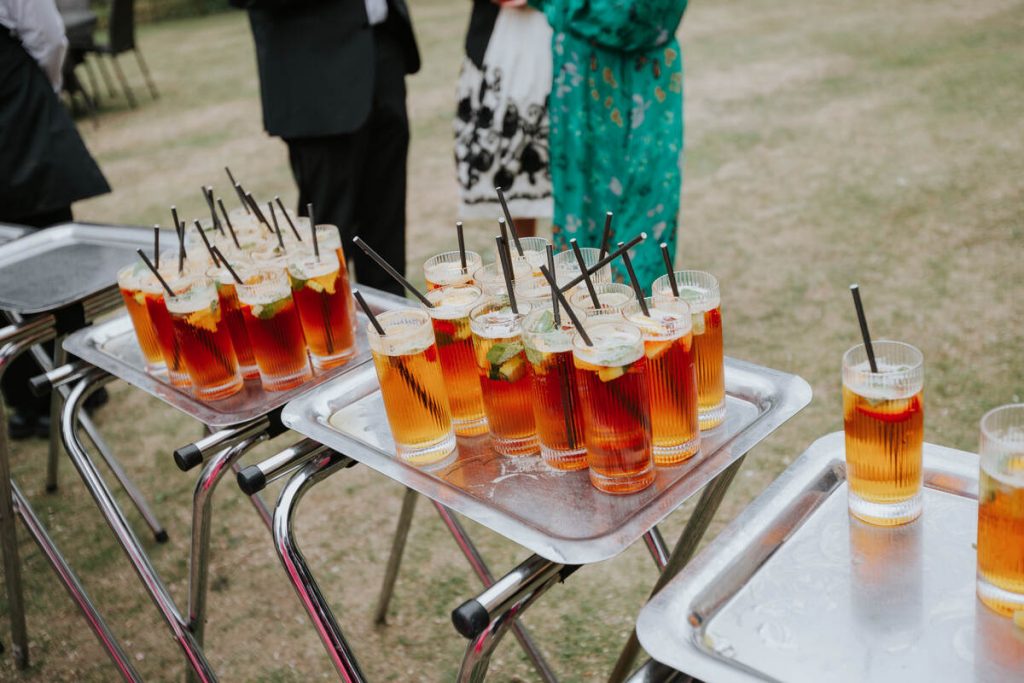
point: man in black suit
(332, 83)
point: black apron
(44, 165)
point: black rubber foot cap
(160, 536)
(188, 457)
(251, 480)
(51, 488)
(470, 619)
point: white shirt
(376, 11)
(37, 24)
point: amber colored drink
(133, 282)
(231, 309)
(450, 319)
(272, 321)
(204, 339)
(701, 292)
(412, 386)
(883, 419)
(325, 308)
(504, 376)
(170, 348)
(1000, 582)
(668, 346)
(556, 401)
(614, 388)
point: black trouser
(357, 181)
(15, 382)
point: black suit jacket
(316, 61)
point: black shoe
(22, 424)
(97, 399)
(42, 429)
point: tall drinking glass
(446, 269)
(504, 376)
(272, 321)
(614, 390)
(567, 268)
(700, 290)
(1001, 510)
(613, 297)
(668, 345)
(556, 401)
(204, 339)
(534, 252)
(137, 284)
(232, 312)
(883, 417)
(324, 307)
(450, 316)
(412, 386)
(491, 281)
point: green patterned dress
(616, 109)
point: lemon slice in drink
(205, 319)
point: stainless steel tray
(52, 268)
(112, 346)
(797, 590)
(10, 232)
(557, 515)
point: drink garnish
(511, 370)
(504, 351)
(206, 318)
(268, 311)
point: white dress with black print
(501, 124)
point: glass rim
(582, 350)
(910, 368)
(987, 429)
(667, 332)
(414, 322)
(442, 257)
(440, 307)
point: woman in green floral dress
(616, 110)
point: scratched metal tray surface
(557, 515)
(52, 268)
(796, 590)
(112, 346)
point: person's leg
(380, 207)
(526, 227)
(325, 172)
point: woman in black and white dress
(501, 122)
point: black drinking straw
(242, 198)
(391, 271)
(551, 266)
(206, 241)
(605, 261)
(259, 214)
(583, 270)
(369, 314)
(504, 262)
(227, 265)
(316, 242)
(181, 243)
(508, 219)
(855, 291)
(288, 218)
(636, 283)
(231, 228)
(462, 243)
(277, 228)
(669, 269)
(606, 238)
(565, 304)
(156, 272)
(208, 196)
(174, 216)
(156, 244)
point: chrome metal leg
(685, 548)
(655, 543)
(257, 501)
(202, 513)
(298, 571)
(498, 608)
(122, 530)
(60, 357)
(81, 599)
(656, 672)
(395, 558)
(476, 561)
(9, 542)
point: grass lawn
(826, 143)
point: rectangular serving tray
(112, 346)
(10, 232)
(52, 268)
(557, 515)
(796, 590)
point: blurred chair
(121, 39)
